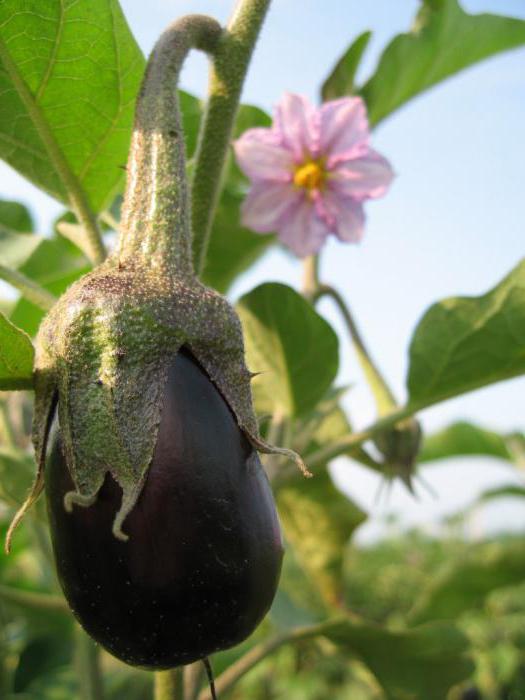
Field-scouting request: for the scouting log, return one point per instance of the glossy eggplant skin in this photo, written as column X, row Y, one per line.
column 203, row 559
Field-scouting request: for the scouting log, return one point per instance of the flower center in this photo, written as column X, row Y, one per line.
column 310, row 175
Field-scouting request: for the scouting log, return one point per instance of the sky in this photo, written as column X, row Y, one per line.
column 451, row 224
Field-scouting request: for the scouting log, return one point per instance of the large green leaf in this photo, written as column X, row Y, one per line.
column 232, row 247
column 464, row 584
column 70, row 73
column 443, row 41
column 424, row 662
column 465, row 343
column 15, row 216
column 16, row 357
column 318, row 521
column 340, row 82
column 463, row 439
column 293, row 348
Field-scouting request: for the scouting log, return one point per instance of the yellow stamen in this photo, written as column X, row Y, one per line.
column 310, row 175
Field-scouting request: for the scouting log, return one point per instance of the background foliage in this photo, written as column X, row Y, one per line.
column 410, row 617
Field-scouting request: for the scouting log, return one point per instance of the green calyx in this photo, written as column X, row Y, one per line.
column 103, row 351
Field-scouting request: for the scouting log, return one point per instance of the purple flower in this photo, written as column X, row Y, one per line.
column 311, row 172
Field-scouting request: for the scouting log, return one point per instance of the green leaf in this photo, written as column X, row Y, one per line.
column 464, row 584
column 293, row 347
column 233, row 248
column 340, row 82
column 463, row 439
column 510, row 491
column 71, row 71
column 16, row 357
column 465, row 343
column 17, row 473
column 424, row 662
column 443, row 41
column 16, row 248
column 15, row 216
column 55, row 264
column 40, row 657
column 318, row 521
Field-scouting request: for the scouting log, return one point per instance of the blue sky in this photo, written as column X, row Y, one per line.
column 452, row 223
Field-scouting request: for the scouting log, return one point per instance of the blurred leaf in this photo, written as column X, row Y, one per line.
column 55, row 265
column 510, row 491
column 233, row 248
column 464, row 343
column 463, row 439
column 443, row 41
column 340, row 82
column 39, row 657
column 16, row 248
column 17, row 472
column 70, row 76
column 463, row 584
column 424, row 662
column 16, row 357
column 15, row 216
column 291, row 345
column 318, row 520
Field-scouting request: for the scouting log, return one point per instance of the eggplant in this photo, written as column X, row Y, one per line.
column 202, row 562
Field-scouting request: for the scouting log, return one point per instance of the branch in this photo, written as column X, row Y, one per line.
column 29, row 289
column 231, row 60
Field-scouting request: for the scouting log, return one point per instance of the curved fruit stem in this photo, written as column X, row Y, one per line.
column 169, row 685
column 30, row 289
column 231, row 60
column 156, row 226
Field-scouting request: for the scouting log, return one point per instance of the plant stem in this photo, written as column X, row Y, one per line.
column 169, row 685
column 87, row 666
column 385, row 400
column 231, row 60
column 344, row 446
column 75, row 192
column 31, row 290
column 237, row 670
column 156, row 218
column 193, row 675
column 37, row 601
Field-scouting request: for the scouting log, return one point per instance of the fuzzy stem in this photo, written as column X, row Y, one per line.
column 169, row 685
column 155, row 225
column 231, row 61
column 88, row 667
column 30, row 289
column 385, row 400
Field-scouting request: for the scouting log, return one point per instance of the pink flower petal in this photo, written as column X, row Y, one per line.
column 261, row 156
column 302, row 230
column 343, row 128
column 346, row 213
column 361, row 178
column 266, row 204
column 293, row 120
